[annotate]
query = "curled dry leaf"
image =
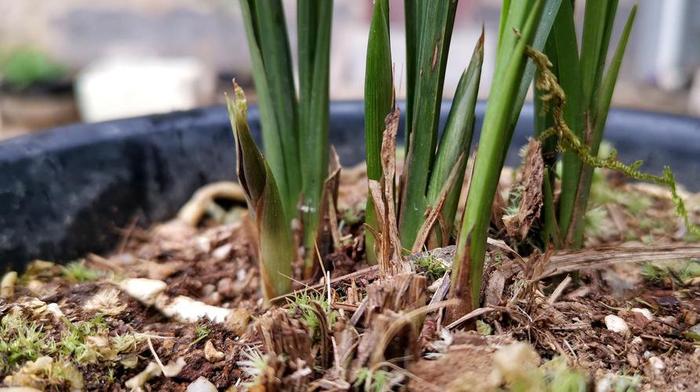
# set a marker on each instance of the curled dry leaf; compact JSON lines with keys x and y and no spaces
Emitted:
{"x":530,"y":185}
{"x":382,"y":193}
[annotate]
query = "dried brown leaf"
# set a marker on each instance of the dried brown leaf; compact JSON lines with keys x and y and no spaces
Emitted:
{"x":518,"y":225}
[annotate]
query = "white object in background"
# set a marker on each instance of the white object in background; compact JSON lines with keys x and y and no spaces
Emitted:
{"x":126,"y":87}
{"x":694,"y":98}
{"x":669,"y":62}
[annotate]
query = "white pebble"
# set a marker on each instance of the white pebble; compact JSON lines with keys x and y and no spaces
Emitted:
{"x":616,"y":324}
{"x":189,"y":310}
{"x":644,"y":312}
{"x":144,"y":290}
{"x":657,"y":364}
{"x":55,"y":310}
{"x":201,"y":385}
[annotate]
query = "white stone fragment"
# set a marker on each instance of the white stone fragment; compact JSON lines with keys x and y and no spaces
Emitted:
{"x":55,"y":310}
{"x":201,"y":385}
{"x":657,"y":365}
{"x":128,"y":86}
{"x":144,"y":290}
{"x":616,"y":324}
{"x":644,"y":312}
{"x":189,"y":310}
{"x":211,"y":354}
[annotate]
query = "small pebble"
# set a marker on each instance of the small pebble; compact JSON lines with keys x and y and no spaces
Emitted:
{"x":657,"y":364}
{"x":211,"y":354}
{"x":201,"y":385}
{"x":226,"y":287}
{"x":644,"y":312}
{"x":616,"y":324}
{"x":222,"y":252}
{"x":144,"y":290}
{"x":208,"y":289}
{"x":55,"y":310}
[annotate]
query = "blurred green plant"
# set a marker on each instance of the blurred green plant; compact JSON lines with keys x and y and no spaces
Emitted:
{"x":23,"y":68}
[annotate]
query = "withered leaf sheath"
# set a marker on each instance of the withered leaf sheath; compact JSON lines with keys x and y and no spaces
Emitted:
{"x":379,"y":100}
{"x":275,"y":246}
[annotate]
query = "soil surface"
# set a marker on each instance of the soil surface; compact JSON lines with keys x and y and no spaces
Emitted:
{"x":609,"y":318}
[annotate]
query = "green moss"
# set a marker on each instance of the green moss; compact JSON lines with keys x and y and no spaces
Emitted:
{"x":681,"y":271}
{"x":372,"y":380}
{"x":431,"y":266}
{"x":73,"y":342}
{"x":302,"y":306}
{"x":483,"y":328}
{"x":78,"y":272}
{"x":201,"y":332}
{"x":21,"y":341}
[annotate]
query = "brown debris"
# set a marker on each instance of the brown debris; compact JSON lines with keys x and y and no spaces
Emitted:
{"x":387,"y":302}
{"x":282,"y":335}
{"x":518,"y":225}
{"x":382,"y":193}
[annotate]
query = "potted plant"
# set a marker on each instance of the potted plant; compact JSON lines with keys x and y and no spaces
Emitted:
{"x":319,"y":287}
{"x":36,"y":92}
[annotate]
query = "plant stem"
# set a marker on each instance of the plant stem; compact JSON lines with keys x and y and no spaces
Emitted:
{"x":427,"y":97}
{"x":378,"y":100}
{"x":272,"y":72}
{"x":314,"y":60}
{"x":275,"y":249}
{"x":495,"y":139}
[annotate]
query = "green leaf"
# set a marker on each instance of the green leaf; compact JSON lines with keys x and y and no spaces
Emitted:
{"x":597,"y":26}
{"x":551,"y":232}
{"x":313,"y":108}
{"x":276,"y":250}
{"x":378,"y":100}
{"x":599,"y":117}
{"x":495,"y":138}
{"x":457,"y":138}
{"x":414,"y":10}
{"x":272,"y":72}
{"x":432,"y":55}
{"x":568,"y":72}
{"x":549,"y":14}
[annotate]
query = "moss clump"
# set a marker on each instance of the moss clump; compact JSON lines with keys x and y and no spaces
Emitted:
{"x":431,"y":266}
{"x":21,"y":341}
{"x":681,"y":272}
{"x":373,"y":380}
{"x":78,"y":272}
{"x":302,"y":306}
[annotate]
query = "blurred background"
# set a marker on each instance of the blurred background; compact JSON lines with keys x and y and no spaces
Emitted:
{"x":93,"y":60}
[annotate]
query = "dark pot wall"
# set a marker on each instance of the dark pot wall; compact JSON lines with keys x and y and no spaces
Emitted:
{"x":67,"y":191}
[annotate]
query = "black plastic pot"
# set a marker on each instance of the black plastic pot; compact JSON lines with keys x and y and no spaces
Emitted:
{"x":67,"y":191}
